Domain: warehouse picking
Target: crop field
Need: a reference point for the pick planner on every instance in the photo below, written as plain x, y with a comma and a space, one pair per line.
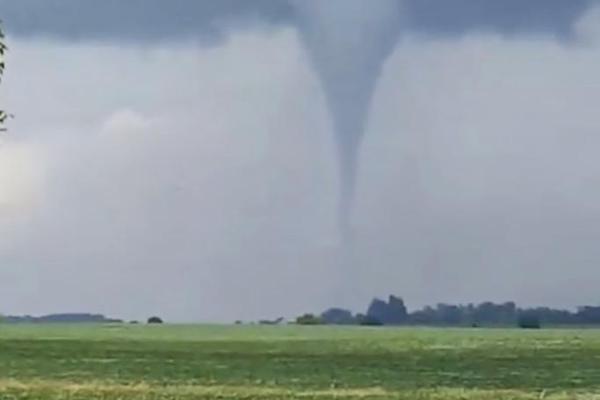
71, 362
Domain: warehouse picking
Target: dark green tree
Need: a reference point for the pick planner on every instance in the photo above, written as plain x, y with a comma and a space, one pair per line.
155, 320
308, 319
529, 320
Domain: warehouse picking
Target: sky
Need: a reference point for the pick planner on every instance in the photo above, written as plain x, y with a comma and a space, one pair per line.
181, 161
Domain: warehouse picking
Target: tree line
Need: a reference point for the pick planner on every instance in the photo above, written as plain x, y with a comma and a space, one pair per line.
394, 312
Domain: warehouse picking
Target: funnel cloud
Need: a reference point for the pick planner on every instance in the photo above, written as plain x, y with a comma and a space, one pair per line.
348, 42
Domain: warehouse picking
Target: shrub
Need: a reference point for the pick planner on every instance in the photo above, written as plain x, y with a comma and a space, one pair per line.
368, 320
338, 316
155, 320
271, 322
308, 319
529, 321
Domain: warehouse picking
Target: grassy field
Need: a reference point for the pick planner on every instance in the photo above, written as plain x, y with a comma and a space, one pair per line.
211, 362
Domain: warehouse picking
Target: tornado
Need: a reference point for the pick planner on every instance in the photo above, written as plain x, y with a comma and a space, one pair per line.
348, 42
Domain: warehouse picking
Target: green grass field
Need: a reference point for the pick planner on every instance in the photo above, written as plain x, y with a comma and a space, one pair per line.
211, 362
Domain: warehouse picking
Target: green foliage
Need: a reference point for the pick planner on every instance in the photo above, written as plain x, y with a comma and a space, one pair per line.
308, 319
338, 316
155, 320
529, 320
368, 320
392, 312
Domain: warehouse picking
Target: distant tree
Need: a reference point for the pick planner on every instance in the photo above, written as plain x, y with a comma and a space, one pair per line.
391, 313
308, 319
338, 316
155, 320
485, 313
368, 320
397, 310
426, 316
449, 314
378, 309
529, 320
271, 322
589, 315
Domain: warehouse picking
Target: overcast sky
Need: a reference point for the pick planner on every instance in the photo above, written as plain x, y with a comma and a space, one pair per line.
187, 167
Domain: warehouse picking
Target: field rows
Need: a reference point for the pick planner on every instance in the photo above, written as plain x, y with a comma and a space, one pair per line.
50, 390
202, 362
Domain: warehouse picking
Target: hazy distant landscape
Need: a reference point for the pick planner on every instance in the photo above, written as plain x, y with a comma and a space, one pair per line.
390, 312
299, 199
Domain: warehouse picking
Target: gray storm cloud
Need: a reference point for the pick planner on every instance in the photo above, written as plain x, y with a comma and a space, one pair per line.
210, 21
348, 41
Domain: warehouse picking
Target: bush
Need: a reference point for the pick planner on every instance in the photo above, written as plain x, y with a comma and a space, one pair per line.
368, 320
338, 316
271, 322
155, 320
308, 319
529, 321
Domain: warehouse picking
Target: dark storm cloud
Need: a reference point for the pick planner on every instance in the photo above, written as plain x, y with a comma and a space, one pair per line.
138, 20
510, 17
210, 20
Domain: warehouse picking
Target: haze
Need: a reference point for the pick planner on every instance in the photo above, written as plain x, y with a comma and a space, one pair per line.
189, 168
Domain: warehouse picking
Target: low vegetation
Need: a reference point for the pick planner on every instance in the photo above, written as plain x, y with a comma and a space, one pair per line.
68, 362
309, 319
155, 320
